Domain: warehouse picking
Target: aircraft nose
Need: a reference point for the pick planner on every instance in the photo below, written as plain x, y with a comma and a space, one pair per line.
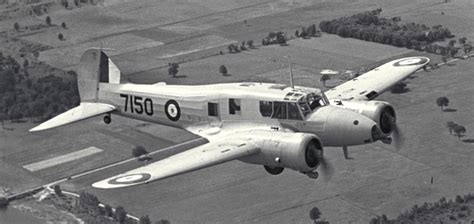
345, 127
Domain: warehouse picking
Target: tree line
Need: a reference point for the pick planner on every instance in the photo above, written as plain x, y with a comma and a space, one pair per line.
89, 209
23, 96
442, 211
370, 26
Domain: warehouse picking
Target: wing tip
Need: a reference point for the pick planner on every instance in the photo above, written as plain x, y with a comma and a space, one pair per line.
410, 61
35, 129
123, 181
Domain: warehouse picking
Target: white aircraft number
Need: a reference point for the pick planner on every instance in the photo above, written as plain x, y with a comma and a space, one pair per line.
137, 104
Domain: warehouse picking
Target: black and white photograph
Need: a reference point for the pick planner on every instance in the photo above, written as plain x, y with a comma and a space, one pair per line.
236, 111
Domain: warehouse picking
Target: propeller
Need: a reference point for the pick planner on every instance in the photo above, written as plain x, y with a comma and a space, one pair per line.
326, 168
388, 123
396, 134
314, 155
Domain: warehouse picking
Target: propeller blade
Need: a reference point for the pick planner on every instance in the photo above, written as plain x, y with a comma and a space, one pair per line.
326, 168
396, 135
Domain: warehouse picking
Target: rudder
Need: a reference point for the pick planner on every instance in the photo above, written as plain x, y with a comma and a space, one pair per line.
95, 67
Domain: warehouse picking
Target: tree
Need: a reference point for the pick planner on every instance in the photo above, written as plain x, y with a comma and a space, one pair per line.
242, 46
2, 119
236, 48
108, 211
16, 26
139, 151
230, 48
120, 214
459, 130
26, 63
16, 114
60, 36
280, 38
88, 203
450, 125
459, 199
39, 108
223, 70
76, 2
467, 48
399, 88
57, 190
250, 44
324, 78
63, 25
451, 43
315, 214
173, 69
442, 102
48, 20
144, 220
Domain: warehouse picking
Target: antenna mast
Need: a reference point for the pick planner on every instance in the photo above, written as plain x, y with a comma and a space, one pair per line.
291, 73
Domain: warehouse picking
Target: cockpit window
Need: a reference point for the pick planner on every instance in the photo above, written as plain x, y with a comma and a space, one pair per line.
315, 101
305, 108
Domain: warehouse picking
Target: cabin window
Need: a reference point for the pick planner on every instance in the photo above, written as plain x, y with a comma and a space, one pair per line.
266, 108
212, 109
234, 106
293, 112
279, 110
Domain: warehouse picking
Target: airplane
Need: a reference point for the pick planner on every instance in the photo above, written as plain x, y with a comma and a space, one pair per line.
274, 125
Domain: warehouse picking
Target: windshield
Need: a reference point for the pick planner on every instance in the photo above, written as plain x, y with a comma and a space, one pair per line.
311, 102
315, 101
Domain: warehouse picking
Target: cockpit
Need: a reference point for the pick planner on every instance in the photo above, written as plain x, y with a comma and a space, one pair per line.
295, 106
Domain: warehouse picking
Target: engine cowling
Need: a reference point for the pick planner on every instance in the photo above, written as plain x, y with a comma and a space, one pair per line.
381, 112
297, 151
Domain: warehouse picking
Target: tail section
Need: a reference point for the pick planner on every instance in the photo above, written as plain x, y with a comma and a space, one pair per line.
95, 67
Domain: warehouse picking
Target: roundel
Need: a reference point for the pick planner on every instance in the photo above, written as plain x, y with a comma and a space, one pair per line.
411, 61
172, 110
130, 179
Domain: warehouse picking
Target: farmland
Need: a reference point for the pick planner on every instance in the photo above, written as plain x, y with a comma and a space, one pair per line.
146, 36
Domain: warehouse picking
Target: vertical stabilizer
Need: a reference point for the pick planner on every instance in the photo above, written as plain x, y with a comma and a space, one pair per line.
95, 67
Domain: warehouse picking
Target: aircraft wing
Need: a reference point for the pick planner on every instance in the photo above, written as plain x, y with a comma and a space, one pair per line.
83, 111
206, 155
376, 81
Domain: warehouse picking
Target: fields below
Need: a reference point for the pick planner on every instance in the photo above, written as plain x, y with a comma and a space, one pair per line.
146, 36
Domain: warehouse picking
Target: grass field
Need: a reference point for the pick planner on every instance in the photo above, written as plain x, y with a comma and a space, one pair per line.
147, 35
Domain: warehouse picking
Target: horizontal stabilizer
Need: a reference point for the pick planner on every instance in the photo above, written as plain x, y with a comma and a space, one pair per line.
83, 111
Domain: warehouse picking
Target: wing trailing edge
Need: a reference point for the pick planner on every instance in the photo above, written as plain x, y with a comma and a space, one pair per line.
83, 111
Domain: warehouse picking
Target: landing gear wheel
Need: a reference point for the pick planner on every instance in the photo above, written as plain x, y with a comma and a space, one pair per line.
273, 170
107, 119
313, 174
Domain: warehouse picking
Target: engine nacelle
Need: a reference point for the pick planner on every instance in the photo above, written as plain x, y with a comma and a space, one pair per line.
297, 151
380, 112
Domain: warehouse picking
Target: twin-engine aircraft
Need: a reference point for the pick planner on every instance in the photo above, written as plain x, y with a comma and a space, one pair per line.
273, 125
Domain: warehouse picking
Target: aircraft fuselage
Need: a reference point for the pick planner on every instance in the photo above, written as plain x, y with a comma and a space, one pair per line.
241, 104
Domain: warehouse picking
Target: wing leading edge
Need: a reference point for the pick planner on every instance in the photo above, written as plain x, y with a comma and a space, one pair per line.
203, 156
83, 111
376, 81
